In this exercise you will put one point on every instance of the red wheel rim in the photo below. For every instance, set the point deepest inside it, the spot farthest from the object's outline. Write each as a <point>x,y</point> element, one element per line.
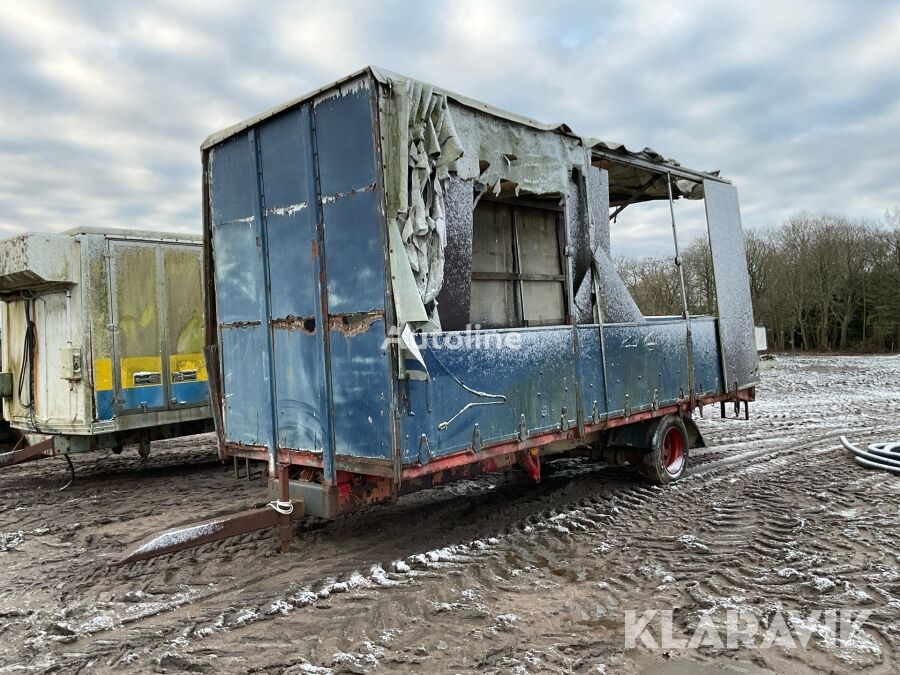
<point>673,451</point>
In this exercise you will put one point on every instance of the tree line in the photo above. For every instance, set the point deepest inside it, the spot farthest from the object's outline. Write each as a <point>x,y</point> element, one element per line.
<point>818,282</point>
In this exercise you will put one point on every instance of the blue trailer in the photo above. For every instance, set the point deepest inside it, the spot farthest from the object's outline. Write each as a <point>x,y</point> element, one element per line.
<point>405,286</point>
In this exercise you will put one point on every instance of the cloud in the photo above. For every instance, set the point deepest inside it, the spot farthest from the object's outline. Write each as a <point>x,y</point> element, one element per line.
<point>103,106</point>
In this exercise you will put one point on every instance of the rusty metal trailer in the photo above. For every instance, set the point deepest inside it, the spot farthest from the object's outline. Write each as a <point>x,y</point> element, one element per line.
<point>405,286</point>
<point>102,340</point>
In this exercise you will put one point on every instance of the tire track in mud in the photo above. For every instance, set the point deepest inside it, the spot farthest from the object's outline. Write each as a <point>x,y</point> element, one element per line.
<point>731,530</point>
<point>576,551</point>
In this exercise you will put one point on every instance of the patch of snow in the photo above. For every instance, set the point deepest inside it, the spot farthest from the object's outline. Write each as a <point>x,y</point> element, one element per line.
<point>280,607</point>
<point>9,540</point>
<point>822,584</point>
<point>691,542</point>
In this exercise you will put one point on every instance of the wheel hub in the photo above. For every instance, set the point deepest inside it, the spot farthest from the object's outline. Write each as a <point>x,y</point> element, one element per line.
<point>673,452</point>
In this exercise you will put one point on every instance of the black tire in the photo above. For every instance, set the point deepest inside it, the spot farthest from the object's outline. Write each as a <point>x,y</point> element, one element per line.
<point>666,461</point>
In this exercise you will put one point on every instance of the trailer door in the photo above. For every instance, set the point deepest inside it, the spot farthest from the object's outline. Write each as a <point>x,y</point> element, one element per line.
<point>138,371</point>
<point>183,307</point>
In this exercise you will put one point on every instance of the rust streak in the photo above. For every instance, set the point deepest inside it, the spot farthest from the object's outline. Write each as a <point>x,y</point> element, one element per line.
<point>240,324</point>
<point>306,324</point>
<point>354,324</point>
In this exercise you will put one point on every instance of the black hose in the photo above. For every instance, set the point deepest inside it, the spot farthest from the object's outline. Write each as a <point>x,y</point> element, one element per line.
<point>28,359</point>
<point>71,473</point>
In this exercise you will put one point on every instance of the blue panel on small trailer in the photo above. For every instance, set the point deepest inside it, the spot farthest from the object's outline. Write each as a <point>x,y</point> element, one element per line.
<point>361,392</point>
<point>288,175</point>
<point>300,385</point>
<point>248,404</point>
<point>289,188</point>
<point>345,139</point>
<point>590,372</point>
<point>240,282</point>
<point>670,351</point>
<point>646,364</point>
<point>472,380</point>
<point>707,365</point>
<point>354,254</point>
<point>232,181</point>
<point>296,319</point>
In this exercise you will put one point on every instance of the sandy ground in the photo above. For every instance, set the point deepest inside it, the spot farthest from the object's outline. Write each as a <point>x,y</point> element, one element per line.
<point>496,575</point>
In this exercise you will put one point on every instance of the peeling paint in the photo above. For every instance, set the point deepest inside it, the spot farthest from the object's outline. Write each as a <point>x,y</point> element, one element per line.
<point>248,220</point>
<point>286,210</point>
<point>331,199</point>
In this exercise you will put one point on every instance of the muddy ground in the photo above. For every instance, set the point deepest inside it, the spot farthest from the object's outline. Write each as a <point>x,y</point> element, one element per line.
<point>496,575</point>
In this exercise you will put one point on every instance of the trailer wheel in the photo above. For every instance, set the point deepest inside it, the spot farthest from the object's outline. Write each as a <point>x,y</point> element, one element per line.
<point>667,459</point>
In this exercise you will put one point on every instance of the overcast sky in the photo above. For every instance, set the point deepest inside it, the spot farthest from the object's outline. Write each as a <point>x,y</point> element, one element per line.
<point>103,105</point>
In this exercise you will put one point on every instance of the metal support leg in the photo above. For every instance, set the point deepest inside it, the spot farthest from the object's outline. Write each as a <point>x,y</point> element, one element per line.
<point>722,408</point>
<point>247,466</point>
<point>284,494</point>
<point>144,446</point>
<point>746,410</point>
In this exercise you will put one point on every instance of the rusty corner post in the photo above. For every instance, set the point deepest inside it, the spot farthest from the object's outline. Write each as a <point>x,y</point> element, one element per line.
<point>284,496</point>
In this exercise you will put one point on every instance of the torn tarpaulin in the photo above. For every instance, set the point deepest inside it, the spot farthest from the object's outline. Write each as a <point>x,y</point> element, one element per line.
<point>420,124</point>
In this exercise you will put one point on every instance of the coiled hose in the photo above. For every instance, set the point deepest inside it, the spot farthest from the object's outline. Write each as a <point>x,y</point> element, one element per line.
<point>884,456</point>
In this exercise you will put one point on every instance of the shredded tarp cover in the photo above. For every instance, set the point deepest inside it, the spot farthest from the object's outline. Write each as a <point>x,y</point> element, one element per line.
<point>420,123</point>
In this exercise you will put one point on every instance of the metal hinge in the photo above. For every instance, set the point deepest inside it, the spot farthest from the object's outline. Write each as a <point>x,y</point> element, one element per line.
<point>476,438</point>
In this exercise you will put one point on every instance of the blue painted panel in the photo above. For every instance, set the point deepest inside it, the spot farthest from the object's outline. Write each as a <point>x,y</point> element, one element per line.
<point>138,397</point>
<point>354,254</point>
<point>291,213</point>
<point>345,140</point>
<point>106,404</point>
<point>707,363</point>
<point>590,371</point>
<point>232,180</point>
<point>190,392</point>
<point>537,377</point>
<point>646,362</point>
<point>285,145</point>
<point>239,272</point>
<point>670,350</point>
<point>248,404</point>
<point>360,393</point>
<point>302,397</point>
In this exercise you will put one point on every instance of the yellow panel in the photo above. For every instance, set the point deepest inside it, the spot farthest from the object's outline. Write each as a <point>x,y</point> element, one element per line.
<point>181,362</point>
<point>140,364</point>
<point>103,380</point>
